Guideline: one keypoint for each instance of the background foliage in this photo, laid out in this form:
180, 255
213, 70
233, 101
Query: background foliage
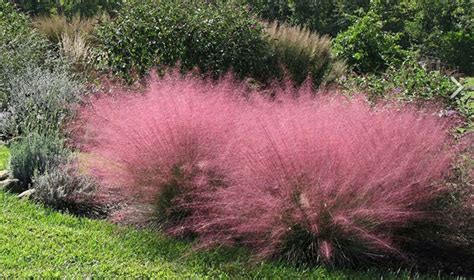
20, 47
304, 54
367, 47
212, 37
69, 8
412, 83
322, 16
421, 25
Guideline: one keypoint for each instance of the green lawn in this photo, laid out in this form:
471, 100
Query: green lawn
36, 241
469, 82
4, 154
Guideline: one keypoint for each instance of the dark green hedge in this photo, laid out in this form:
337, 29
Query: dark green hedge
214, 38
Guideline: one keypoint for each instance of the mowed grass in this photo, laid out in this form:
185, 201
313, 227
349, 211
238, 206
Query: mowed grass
35, 241
469, 82
38, 242
4, 155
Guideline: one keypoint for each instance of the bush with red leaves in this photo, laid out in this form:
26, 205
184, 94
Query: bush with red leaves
322, 180
162, 147
309, 179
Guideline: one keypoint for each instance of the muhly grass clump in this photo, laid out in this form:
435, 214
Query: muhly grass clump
162, 147
320, 180
298, 177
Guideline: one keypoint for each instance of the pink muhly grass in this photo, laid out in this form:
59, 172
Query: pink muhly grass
326, 180
162, 147
309, 179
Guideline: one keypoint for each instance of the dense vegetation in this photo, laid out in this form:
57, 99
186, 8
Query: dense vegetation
213, 38
19, 47
70, 8
437, 29
218, 124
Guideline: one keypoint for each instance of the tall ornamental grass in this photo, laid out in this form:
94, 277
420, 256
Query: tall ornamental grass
304, 54
328, 180
308, 179
162, 147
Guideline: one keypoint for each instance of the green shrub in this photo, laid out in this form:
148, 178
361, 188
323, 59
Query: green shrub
443, 30
439, 30
142, 36
411, 82
456, 48
223, 36
322, 16
213, 38
304, 53
13, 23
34, 155
367, 47
41, 100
